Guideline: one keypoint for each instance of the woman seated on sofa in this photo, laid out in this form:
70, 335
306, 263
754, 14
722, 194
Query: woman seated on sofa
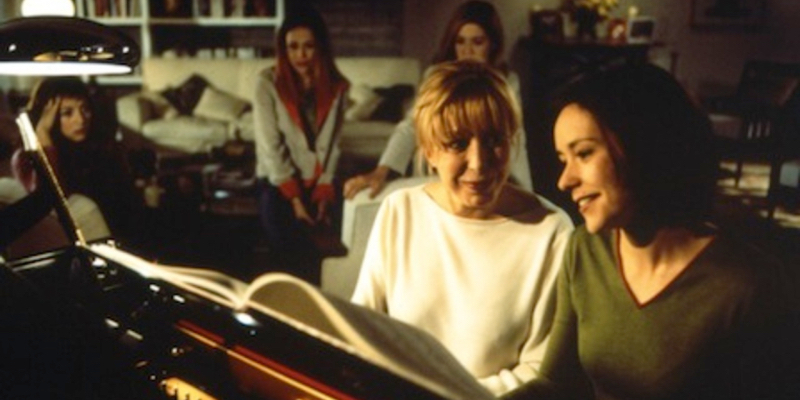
79, 142
469, 258
298, 109
654, 302
473, 33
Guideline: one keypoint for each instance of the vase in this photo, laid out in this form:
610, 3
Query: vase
586, 20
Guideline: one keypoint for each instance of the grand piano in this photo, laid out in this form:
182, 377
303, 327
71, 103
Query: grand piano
76, 323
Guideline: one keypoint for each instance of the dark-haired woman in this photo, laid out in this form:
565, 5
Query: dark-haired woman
298, 111
654, 302
475, 33
79, 142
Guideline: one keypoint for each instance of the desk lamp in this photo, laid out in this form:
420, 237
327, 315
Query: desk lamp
59, 46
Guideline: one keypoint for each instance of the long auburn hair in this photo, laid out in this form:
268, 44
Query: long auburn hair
329, 81
482, 14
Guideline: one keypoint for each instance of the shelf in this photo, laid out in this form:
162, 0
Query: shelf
190, 31
120, 80
223, 22
120, 21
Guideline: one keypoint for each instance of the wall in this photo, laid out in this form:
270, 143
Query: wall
703, 56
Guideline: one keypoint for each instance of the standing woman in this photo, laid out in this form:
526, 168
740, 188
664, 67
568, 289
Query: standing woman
654, 302
473, 33
79, 142
298, 112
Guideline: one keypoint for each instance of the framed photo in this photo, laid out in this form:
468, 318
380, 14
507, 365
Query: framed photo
547, 25
729, 14
640, 29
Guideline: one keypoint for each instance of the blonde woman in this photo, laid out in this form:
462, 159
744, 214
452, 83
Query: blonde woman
469, 258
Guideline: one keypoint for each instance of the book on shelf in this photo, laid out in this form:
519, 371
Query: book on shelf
233, 8
387, 343
111, 8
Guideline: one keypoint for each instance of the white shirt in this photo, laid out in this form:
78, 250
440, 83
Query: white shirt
484, 288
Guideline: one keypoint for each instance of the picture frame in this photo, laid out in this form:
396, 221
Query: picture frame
546, 25
728, 14
640, 29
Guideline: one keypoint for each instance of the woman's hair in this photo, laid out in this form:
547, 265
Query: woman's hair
69, 87
661, 141
329, 81
50, 88
461, 98
476, 12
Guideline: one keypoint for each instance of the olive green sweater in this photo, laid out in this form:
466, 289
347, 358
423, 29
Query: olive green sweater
718, 331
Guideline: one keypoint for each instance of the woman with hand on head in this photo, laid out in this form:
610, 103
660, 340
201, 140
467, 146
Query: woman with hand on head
298, 110
473, 33
469, 258
654, 302
80, 145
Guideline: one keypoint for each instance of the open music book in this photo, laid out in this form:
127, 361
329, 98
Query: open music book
390, 344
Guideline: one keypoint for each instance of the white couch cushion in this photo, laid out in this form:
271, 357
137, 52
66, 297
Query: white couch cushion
365, 138
218, 105
186, 133
363, 100
238, 77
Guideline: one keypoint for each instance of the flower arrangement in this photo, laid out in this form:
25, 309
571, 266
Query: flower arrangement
587, 13
602, 8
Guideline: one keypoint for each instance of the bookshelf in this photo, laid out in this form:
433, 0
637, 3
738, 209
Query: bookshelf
189, 28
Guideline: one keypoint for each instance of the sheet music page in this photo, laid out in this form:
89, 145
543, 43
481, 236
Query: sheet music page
394, 345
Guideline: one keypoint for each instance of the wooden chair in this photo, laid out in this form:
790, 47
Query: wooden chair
748, 124
784, 183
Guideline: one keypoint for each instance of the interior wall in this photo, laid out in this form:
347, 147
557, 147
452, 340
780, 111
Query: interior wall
703, 57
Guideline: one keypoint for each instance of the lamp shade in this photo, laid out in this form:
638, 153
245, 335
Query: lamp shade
64, 46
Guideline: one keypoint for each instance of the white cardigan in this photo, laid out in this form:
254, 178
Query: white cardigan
281, 146
484, 288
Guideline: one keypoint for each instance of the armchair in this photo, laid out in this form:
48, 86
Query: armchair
339, 274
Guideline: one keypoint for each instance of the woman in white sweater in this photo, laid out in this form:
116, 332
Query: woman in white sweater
298, 108
473, 33
469, 258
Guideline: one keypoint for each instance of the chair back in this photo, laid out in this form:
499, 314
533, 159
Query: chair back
764, 89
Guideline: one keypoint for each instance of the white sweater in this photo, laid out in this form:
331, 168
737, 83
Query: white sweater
484, 288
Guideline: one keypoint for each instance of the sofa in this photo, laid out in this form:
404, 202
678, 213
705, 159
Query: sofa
158, 117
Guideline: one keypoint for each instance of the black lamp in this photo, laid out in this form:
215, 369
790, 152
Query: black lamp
64, 46
55, 45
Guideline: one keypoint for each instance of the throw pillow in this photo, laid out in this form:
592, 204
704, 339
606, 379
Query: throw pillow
186, 96
246, 126
395, 101
363, 102
218, 105
159, 106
